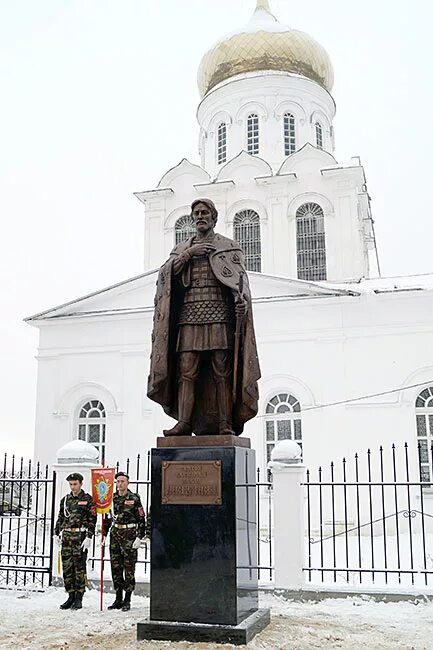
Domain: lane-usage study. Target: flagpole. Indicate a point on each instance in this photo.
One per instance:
(101, 598)
(102, 478)
(101, 595)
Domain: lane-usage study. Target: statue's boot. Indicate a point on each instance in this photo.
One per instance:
(225, 406)
(186, 405)
(179, 429)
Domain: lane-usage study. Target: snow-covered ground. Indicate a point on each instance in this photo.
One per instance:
(34, 622)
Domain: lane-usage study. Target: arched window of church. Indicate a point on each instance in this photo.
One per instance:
(310, 242)
(91, 425)
(253, 134)
(222, 143)
(289, 134)
(424, 430)
(184, 228)
(282, 421)
(319, 135)
(246, 232)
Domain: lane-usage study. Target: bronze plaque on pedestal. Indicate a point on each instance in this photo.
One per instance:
(196, 482)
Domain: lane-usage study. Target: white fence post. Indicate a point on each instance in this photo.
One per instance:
(289, 524)
(75, 456)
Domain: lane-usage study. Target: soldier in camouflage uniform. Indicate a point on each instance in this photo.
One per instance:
(127, 530)
(74, 530)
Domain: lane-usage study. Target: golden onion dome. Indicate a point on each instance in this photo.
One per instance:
(265, 44)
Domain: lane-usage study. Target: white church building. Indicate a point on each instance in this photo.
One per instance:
(346, 357)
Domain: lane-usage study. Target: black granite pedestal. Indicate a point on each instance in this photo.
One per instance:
(204, 579)
(235, 634)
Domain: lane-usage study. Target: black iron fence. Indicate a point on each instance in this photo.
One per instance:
(265, 526)
(27, 501)
(370, 520)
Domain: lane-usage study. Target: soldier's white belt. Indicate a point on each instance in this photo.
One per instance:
(125, 525)
(76, 530)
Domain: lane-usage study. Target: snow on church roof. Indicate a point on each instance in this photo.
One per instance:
(265, 288)
(53, 311)
(398, 283)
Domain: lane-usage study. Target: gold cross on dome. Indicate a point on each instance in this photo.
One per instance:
(263, 4)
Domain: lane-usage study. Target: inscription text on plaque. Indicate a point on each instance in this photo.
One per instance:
(191, 482)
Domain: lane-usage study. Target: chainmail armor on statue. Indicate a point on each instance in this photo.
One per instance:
(206, 300)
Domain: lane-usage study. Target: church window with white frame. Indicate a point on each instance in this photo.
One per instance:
(253, 134)
(424, 430)
(310, 242)
(184, 228)
(222, 143)
(282, 421)
(319, 135)
(91, 425)
(289, 134)
(246, 232)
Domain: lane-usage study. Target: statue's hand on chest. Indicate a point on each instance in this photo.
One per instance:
(200, 249)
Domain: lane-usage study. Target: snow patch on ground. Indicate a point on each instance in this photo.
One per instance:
(33, 621)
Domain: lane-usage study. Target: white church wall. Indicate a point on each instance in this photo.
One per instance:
(332, 349)
(94, 358)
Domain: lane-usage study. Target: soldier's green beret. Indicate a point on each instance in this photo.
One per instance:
(75, 477)
(122, 474)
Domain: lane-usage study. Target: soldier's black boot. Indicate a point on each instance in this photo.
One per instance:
(117, 604)
(126, 605)
(78, 602)
(68, 603)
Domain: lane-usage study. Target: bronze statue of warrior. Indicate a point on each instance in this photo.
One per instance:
(202, 294)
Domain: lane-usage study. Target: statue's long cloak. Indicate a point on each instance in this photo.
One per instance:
(227, 264)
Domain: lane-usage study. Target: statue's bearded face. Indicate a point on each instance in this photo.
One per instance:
(203, 218)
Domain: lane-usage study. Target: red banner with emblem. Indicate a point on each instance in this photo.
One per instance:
(103, 488)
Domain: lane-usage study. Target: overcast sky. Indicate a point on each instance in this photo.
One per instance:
(98, 100)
